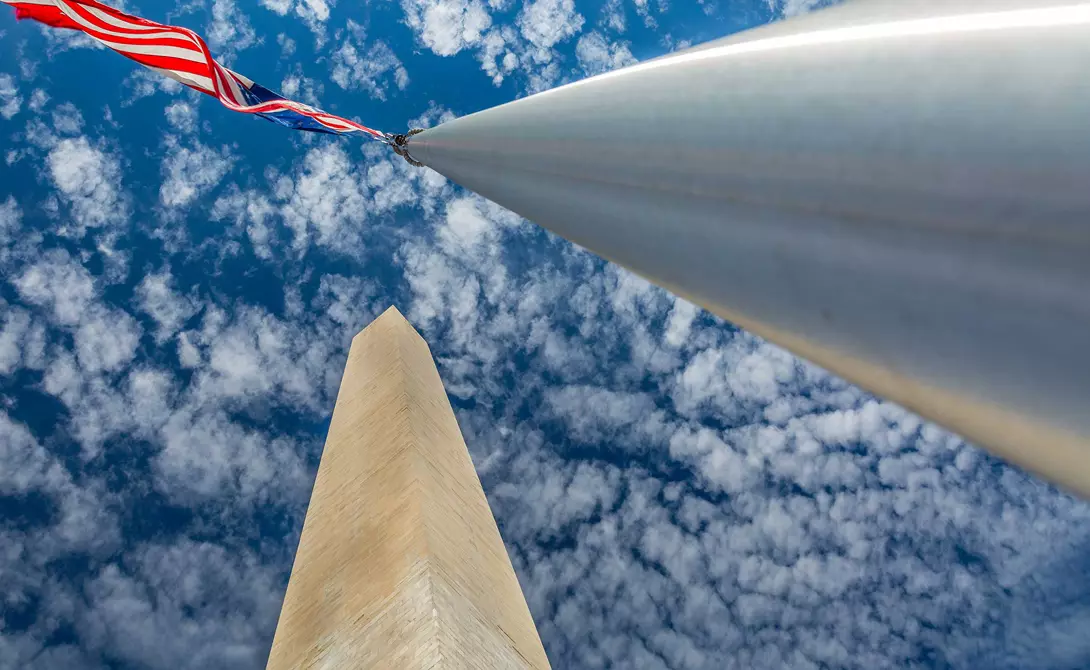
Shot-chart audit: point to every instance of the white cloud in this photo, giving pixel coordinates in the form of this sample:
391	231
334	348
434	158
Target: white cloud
10	100
254	357
106	341
15	239
326	200
229	32
355	65
681	323
545	23
67	119
182	116
197	601
87	178
26	466
497	58
144	83
595	415
746	373
206	455
789	8
188	354
597	55
644	9
81	522
38	100
613	16
281	7
252	212
298	86
22	341
191	171
59	285
158	299
287	45
347	301
313	13
447	26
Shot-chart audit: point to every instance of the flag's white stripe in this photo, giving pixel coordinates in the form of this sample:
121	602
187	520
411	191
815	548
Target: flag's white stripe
166	32
156	50
148	36
203	83
329	121
75	16
117	21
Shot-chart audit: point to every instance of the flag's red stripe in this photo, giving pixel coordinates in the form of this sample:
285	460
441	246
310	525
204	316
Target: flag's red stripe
225	86
51	16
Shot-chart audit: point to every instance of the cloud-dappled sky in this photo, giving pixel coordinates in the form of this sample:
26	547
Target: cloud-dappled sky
179	286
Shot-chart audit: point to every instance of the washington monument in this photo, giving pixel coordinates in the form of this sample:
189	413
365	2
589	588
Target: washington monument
400	565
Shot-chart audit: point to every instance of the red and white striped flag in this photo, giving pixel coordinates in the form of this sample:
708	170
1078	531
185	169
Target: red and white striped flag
181	54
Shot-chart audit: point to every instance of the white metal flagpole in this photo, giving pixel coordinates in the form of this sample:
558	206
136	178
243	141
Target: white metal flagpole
896	191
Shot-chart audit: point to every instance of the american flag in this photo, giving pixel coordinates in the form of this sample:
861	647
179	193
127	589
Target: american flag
181	54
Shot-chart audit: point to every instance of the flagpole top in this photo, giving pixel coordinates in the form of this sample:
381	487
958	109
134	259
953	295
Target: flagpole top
400	144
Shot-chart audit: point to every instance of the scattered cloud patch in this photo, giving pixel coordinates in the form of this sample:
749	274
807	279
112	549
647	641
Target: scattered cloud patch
287	45
67	119
447	26
144	83
789	8
325	199
373	68
169	309
105	339
87	179
297	86
544	23
497	57
182	116
313	13
597	55
613	16
10	100
189	171
229	31
528	45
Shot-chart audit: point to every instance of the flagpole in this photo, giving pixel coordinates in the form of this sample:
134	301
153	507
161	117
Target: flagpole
898	192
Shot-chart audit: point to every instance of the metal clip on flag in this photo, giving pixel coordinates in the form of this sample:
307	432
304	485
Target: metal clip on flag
181	54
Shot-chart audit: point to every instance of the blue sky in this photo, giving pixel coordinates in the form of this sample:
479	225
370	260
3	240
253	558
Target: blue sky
178	288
